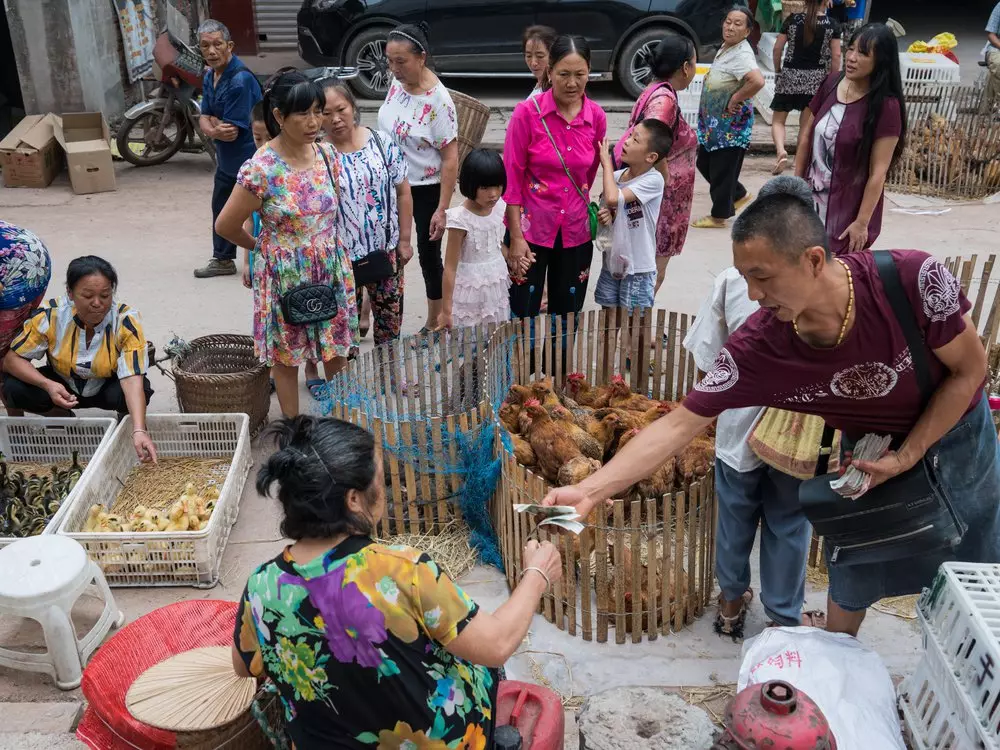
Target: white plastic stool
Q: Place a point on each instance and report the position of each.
(41, 578)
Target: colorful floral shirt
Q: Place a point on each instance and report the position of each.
(716, 128)
(354, 641)
(421, 125)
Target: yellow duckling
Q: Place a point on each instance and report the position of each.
(157, 518)
(138, 514)
(145, 526)
(110, 523)
(183, 523)
(212, 493)
(92, 517)
(209, 508)
(177, 510)
(126, 528)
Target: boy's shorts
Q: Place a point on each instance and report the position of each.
(636, 290)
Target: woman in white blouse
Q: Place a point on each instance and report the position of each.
(420, 116)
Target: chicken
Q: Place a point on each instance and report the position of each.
(583, 394)
(524, 419)
(661, 481)
(518, 394)
(508, 414)
(588, 445)
(551, 442)
(523, 451)
(696, 459)
(576, 470)
(679, 591)
(542, 390)
(607, 430)
(621, 397)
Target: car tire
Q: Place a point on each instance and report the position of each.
(633, 69)
(366, 52)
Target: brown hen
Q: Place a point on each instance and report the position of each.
(621, 397)
(508, 414)
(589, 446)
(581, 392)
(551, 442)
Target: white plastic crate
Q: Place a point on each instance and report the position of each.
(937, 713)
(42, 440)
(924, 67)
(961, 617)
(186, 558)
(765, 50)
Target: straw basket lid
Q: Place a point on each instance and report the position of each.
(193, 691)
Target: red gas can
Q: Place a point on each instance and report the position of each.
(535, 711)
(775, 715)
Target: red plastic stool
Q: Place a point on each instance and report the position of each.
(535, 711)
(164, 632)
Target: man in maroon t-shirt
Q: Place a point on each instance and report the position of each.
(826, 342)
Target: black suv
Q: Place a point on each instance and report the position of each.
(482, 38)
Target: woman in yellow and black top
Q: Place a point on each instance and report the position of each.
(96, 353)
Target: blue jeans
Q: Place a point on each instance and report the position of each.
(770, 498)
(222, 249)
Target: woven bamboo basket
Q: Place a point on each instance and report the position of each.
(422, 398)
(244, 733)
(473, 116)
(222, 375)
(670, 540)
(980, 280)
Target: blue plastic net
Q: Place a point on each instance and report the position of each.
(427, 399)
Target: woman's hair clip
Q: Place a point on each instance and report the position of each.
(403, 34)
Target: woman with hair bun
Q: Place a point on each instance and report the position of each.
(369, 645)
(293, 182)
(675, 63)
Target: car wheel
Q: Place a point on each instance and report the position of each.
(635, 64)
(366, 52)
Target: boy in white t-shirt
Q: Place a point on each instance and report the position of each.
(632, 198)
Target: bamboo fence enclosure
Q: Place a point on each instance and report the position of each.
(952, 149)
(980, 281)
(422, 398)
(649, 567)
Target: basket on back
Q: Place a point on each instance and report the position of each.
(421, 396)
(473, 116)
(222, 375)
(646, 566)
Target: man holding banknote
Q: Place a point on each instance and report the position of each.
(876, 344)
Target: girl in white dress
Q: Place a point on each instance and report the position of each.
(476, 277)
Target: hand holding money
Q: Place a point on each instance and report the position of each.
(866, 468)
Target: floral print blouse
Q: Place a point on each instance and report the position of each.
(354, 641)
(717, 129)
(421, 125)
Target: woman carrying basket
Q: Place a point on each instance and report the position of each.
(873, 343)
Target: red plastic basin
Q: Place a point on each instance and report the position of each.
(535, 711)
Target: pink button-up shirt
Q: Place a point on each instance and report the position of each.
(536, 180)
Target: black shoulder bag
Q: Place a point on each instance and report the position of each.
(377, 266)
(909, 515)
(311, 303)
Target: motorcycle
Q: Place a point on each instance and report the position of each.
(154, 130)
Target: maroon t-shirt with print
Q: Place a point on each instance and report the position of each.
(867, 384)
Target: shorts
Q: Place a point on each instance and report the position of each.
(636, 290)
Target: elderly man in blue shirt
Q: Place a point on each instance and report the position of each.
(229, 94)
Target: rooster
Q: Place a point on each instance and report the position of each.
(621, 397)
(583, 394)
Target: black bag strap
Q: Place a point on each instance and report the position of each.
(541, 117)
(389, 190)
(902, 310)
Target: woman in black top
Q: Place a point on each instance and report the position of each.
(813, 50)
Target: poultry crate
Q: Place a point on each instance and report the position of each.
(648, 567)
(52, 440)
(422, 398)
(165, 558)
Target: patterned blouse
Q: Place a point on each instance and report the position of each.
(116, 349)
(354, 641)
(717, 129)
(421, 125)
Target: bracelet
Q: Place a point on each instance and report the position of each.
(136, 432)
(548, 583)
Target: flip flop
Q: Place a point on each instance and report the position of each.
(743, 201)
(780, 166)
(317, 388)
(708, 222)
(817, 619)
(733, 626)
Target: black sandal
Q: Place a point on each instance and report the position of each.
(733, 625)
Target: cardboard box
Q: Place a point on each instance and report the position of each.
(85, 138)
(30, 155)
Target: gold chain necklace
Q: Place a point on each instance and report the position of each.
(850, 308)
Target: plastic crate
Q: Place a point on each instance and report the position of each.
(765, 50)
(961, 617)
(937, 713)
(925, 67)
(186, 558)
(42, 440)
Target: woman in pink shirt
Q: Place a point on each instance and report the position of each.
(546, 208)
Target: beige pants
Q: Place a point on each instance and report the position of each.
(991, 96)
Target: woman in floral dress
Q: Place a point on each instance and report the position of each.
(675, 63)
(370, 646)
(292, 182)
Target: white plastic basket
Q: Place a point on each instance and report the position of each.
(42, 440)
(937, 713)
(960, 614)
(924, 67)
(765, 50)
(186, 558)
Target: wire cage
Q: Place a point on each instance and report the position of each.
(647, 566)
(422, 398)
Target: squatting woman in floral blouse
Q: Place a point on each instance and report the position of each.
(370, 645)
